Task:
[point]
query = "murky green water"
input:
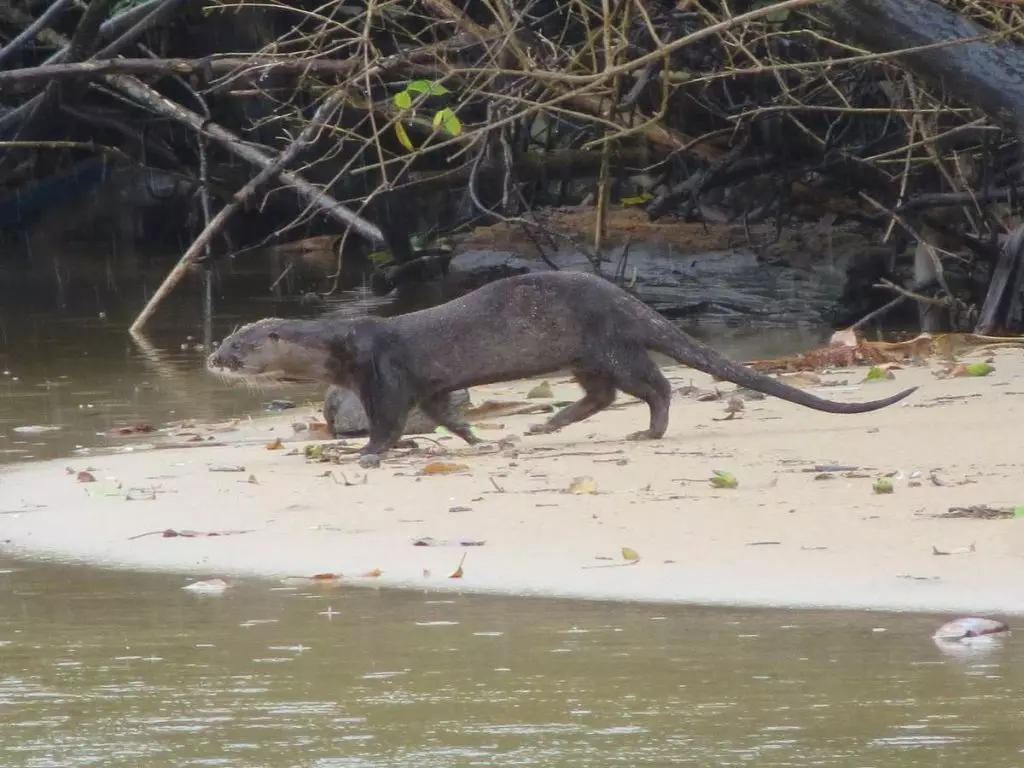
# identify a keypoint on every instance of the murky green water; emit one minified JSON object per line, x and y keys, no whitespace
{"x":120,"y":669}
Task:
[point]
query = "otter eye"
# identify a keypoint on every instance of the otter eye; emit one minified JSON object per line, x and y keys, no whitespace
{"x":273,"y":336}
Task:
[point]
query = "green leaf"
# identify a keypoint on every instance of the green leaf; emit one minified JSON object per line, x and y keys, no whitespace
{"x":1018,"y":511}
{"x":426,"y":86}
{"x":379,"y":257}
{"x":882,"y":485}
{"x":722,"y":479}
{"x":777,"y":17}
{"x":640,"y":199}
{"x":403,"y":100}
{"x":451,"y":123}
{"x":628,"y":553}
{"x":980,"y":369}
{"x":876,"y":374}
{"x":403,"y":137}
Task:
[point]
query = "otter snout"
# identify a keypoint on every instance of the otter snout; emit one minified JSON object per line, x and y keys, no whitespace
{"x":222,"y":360}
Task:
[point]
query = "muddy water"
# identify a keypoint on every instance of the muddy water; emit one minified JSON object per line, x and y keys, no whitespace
{"x":120,"y":669}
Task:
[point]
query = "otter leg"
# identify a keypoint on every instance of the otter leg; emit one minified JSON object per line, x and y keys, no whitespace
{"x":642,"y":378}
{"x":386,"y":429}
{"x":387,"y":400}
{"x":598,"y":394}
{"x":439,"y":408}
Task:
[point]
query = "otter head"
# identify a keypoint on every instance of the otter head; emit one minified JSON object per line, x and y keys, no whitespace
{"x":271,"y":350}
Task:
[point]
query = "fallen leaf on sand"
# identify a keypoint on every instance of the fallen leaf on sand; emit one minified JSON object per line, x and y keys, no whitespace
{"x":878,"y":373}
{"x":226,"y":468}
{"x":275,"y":445}
{"x":497,"y":408}
{"x":171,"y":533}
{"x":209,"y":587}
{"x":458,"y":572}
{"x":541,"y":390}
{"x":629,"y":554}
{"x":318,"y":431}
{"x":375,"y":573}
{"x":583,"y":484}
{"x":427,"y":541}
{"x":801,"y":378}
{"x":955,"y":551}
{"x":982,"y":512}
{"x":882,"y":485}
{"x":85,"y":477}
{"x":104,"y":490}
{"x":443,"y":468}
{"x":961,"y":370}
{"x":722,"y":479}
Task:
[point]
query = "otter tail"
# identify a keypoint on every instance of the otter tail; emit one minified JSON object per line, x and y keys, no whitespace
{"x":689,"y":351}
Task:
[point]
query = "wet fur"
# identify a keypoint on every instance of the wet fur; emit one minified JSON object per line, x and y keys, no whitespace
{"x":514,"y":328}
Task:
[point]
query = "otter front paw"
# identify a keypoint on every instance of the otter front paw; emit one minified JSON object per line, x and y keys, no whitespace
{"x":369,"y":461}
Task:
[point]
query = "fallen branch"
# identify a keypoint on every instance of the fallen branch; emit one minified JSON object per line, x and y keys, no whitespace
{"x":986,"y":74}
{"x":32,"y":30}
{"x":270,"y":170}
{"x":96,"y":69}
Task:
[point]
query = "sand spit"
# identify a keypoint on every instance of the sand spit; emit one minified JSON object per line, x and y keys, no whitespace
{"x":788,"y":535}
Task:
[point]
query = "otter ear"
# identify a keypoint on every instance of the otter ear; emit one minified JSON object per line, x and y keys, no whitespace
{"x":274,"y":336}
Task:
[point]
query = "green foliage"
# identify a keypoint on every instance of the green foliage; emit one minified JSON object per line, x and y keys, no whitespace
{"x":444,"y":118}
{"x":451,"y":122}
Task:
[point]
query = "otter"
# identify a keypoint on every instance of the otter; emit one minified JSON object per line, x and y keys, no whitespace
{"x":514,"y":328}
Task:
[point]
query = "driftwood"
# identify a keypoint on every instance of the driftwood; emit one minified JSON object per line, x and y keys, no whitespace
{"x":1003,"y":302}
{"x":269,"y":171}
{"x":986,"y":74}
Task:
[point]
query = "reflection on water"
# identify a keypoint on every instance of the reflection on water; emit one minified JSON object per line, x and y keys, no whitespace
{"x":114,"y":668}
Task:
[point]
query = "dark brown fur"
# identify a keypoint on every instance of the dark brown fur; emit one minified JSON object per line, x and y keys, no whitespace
{"x":513,"y":328}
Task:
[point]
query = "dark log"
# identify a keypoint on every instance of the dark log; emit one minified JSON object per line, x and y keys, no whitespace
{"x":421,"y":269}
{"x":986,"y":74}
{"x":1002,"y":307}
{"x":946,"y":199}
{"x":534,"y":166}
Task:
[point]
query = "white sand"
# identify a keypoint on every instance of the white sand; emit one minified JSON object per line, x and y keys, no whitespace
{"x":835,"y":543}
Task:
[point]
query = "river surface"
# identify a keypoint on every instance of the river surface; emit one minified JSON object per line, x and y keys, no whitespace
{"x":121,"y":669}
{"x":114,"y":668}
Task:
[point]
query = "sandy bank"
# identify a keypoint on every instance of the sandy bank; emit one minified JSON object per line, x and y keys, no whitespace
{"x":784,"y":537}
